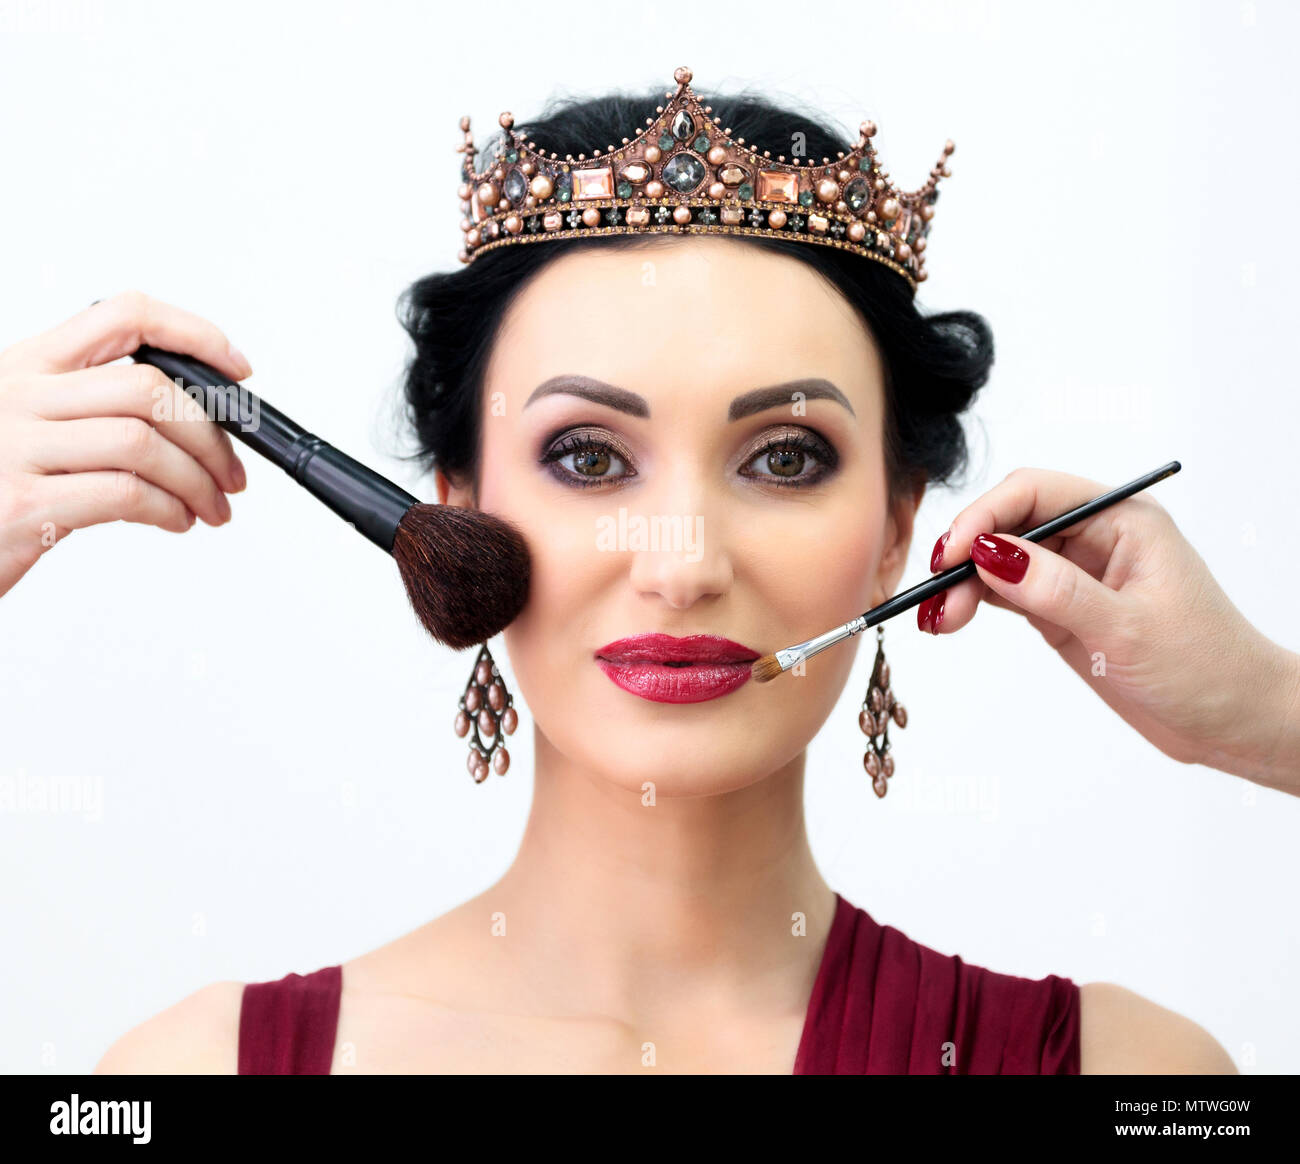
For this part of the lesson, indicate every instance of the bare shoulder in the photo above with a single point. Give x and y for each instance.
(197, 1036)
(1122, 1033)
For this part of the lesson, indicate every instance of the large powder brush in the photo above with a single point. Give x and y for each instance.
(466, 572)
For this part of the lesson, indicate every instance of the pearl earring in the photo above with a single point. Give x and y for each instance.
(489, 709)
(878, 708)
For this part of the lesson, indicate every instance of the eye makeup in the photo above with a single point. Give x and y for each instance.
(590, 448)
(790, 447)
(786, 456)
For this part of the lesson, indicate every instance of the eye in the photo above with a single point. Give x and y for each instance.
(791, 457)
(586, 459)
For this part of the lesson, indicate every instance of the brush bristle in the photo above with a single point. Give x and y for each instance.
(766, 669)
(466, 572)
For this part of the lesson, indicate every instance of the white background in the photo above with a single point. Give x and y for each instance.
(266, 729)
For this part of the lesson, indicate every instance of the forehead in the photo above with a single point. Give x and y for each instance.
(693, 310)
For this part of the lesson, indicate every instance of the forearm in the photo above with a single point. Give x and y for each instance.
(1269, 753)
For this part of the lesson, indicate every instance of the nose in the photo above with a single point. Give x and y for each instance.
(680, 557)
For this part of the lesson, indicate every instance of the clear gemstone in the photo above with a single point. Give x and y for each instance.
(684, 172)
(857, 193)
(683, 125)
(516, 186)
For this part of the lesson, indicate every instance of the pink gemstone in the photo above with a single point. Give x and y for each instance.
(732, 215)
(777, 186)
(818, 224)
(593, 183)
(901, 223)
(637, 216)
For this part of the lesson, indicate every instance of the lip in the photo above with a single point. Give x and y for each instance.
(666, 669)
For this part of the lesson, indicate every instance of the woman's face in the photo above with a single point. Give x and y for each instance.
(690, 436)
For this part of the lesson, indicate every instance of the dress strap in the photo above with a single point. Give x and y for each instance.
(288, 1026)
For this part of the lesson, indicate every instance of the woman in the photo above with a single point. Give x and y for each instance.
(789, 404)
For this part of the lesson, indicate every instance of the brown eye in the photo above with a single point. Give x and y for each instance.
(592, 463)
(791, 457)
(583, 458)
(785, 462)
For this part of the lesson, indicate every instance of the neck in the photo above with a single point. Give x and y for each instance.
(642, 900)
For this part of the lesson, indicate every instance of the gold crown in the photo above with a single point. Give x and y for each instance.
(685, 174)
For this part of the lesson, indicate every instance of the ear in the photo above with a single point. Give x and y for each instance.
(451, 491)
(898, 540)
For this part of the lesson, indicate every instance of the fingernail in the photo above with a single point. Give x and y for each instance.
(936, 614)
(240, 361)
(923, 614)
(240, 476)
(223, 506)
(998, 556)
(936, 555)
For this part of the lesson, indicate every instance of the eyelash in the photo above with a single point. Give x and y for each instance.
(579, 441)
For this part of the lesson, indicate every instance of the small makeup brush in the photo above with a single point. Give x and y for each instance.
(466, 572)
(770, 666)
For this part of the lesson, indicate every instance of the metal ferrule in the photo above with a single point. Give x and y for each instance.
(801, 651)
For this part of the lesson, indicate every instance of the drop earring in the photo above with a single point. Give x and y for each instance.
(489, 709)
(878, 708)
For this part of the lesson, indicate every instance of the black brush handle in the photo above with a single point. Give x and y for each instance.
(950, 577)
(359, 495)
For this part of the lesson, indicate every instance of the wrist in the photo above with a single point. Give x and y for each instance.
(1269, 752)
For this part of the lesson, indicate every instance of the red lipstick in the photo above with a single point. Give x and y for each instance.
(665, 669)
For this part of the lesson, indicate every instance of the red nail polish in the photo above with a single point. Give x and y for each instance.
(998, 556)
(936, 555)
(936, 615)
(923, 614)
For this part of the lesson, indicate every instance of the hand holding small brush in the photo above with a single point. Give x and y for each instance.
(1112, 585)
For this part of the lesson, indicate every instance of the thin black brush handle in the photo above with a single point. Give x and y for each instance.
(931, 586)
(359, 495)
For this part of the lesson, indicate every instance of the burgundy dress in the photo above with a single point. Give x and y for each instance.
(881, 1004)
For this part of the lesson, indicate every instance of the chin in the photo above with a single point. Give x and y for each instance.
(685, 749)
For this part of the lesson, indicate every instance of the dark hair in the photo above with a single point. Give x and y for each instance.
(934, 364)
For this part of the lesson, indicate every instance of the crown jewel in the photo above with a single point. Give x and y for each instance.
(684, 173)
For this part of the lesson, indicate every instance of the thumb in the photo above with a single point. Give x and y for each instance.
(1044, 584)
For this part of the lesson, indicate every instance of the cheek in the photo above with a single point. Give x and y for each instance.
(567, 576)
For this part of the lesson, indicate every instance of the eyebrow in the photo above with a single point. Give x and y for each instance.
(746, 404)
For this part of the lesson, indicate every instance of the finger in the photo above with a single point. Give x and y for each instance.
(149, 394)
(953, 608)
(69, 501)
(1024, 499)
(116, 327)
(126, 443)
(1046, 586)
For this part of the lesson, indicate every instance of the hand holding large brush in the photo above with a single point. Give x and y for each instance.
(84, 441)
